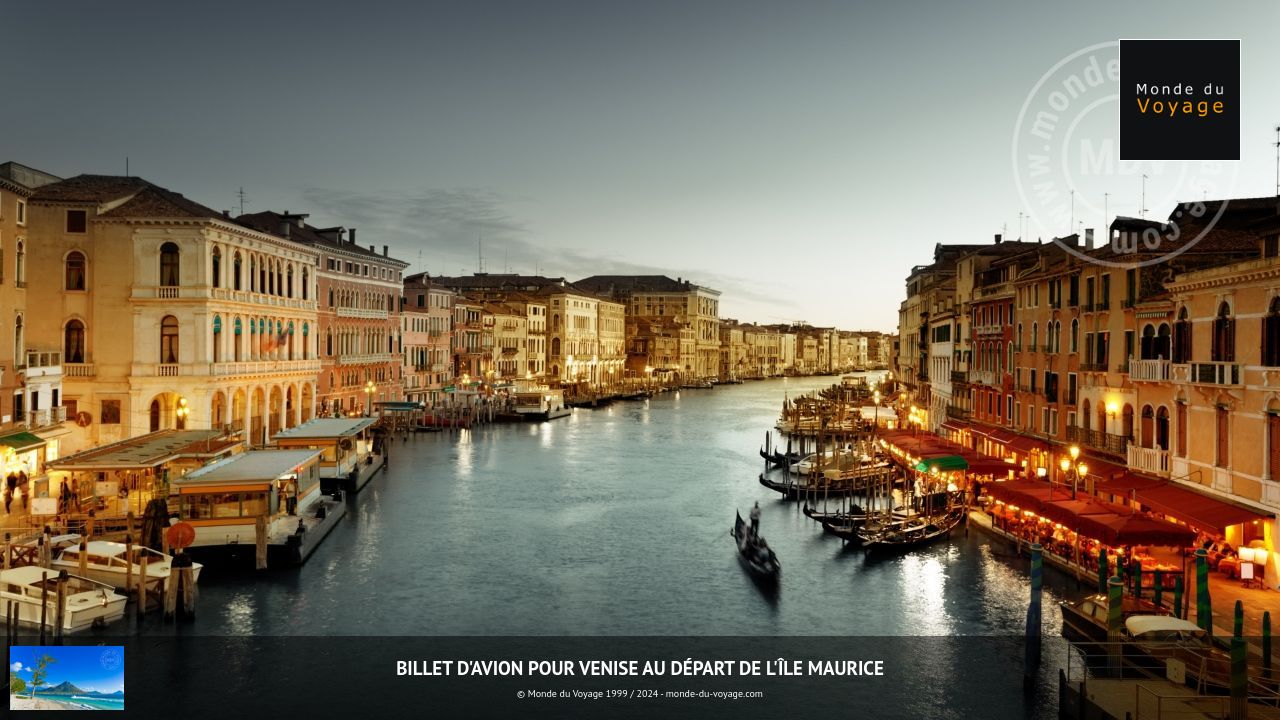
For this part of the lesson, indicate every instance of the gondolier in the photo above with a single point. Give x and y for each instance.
(755, 519)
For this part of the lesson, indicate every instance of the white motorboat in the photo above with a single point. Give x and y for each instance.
(109, 562)
(539, 404)
(88, 603)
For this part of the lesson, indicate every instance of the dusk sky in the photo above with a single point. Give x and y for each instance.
(799, 157)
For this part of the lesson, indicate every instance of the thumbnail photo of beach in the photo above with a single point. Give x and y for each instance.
(89, 677)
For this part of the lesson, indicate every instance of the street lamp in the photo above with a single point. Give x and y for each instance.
(368, 391)
(182, 413)
(1074, 470)
(875, 424)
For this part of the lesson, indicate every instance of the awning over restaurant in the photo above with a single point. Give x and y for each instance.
(1193, 508)
(990, 466)
(954, 425)
(20, 441)
(1109, 524)
(1116, 530)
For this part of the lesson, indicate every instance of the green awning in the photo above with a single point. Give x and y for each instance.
(946, 462)
(21, 441)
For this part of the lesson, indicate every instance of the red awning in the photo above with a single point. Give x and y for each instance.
(1026, 494)
(1024, 444)
(991, 466)
(1117, 530)
(1202, 511)
(955, 425)
(1125, 482)
(1068, 511)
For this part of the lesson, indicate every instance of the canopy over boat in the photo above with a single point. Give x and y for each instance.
(1142, 624)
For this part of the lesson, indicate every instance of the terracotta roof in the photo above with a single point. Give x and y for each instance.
(89, 189)
(272, 223)
(156, 202)
(622, 285)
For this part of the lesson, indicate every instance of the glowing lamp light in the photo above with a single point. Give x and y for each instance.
(1065, 464)
(1246, 554)
(1260, 556)
(1041, 472)
(1075, 452)
(1112, 409)
(1082, 469)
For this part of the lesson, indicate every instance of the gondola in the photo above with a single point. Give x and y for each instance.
(755, 554)
(802, 488)
(911, 534)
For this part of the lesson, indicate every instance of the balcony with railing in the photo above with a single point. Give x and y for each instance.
(984, 377)
(1093, 367)
(364, 313)
(988, 329)
(264, 367)
(957, 413)
(76, 370)
(959, 377)
(1148, 370)
(1207, 373)
(1149, 460)
(44, 418)
(365, 358)
(1098, 440)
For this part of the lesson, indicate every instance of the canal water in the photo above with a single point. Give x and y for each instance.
(615, 522)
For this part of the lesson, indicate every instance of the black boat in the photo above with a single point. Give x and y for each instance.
(799, 488)
(755, 554)
(912, 533)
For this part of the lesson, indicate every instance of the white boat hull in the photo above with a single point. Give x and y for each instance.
(83, 610)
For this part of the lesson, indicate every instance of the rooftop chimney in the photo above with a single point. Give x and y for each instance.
(284, 228)
(998, 238)
(385, 250)
(1088, 238)
(373, 249)
(351, 234)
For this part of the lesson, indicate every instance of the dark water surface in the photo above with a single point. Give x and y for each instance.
(615, 522)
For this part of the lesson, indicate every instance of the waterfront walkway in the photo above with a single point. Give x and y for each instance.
(1223, 591)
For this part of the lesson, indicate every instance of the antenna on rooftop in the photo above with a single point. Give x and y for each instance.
(1143, 212)
(1073, 211)
(241, 195)
(1277, 144)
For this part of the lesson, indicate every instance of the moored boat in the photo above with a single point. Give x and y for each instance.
(1085, 620)
(911, 534)
(113, 563)
(86, 603)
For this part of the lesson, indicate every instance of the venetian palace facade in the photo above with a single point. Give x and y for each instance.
(206, 324)
(359, 314)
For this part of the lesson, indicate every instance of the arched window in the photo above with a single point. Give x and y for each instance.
(328, 342)
(555, 346)
(1162, 343)
(1035, 336)
(1075, 335)
(235, 340)
(306, 349)
(75, 270)
(1271, 335)
(1085, 417)
(1182, 338)
(289, 283)
(217, 338)
(271, 279)
(169, 339)
(73, 342)
(1148, 426)
(1162, 428)
(1146, 349)
(253, 273)
(305, 280)
(1224, 335)
(20, 265)
(1126, 417)
(169, 264)
(18, 344)
(235, 272)
(216, 266)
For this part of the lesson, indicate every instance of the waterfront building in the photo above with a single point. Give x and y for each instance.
(359, 313)
(585, 341)
(660, 349)
(1223, 374)
(472, 345)
(660, 296)
(32, 409)
(428, 339)
(733, 350)
(510, 341)
(169, 314)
